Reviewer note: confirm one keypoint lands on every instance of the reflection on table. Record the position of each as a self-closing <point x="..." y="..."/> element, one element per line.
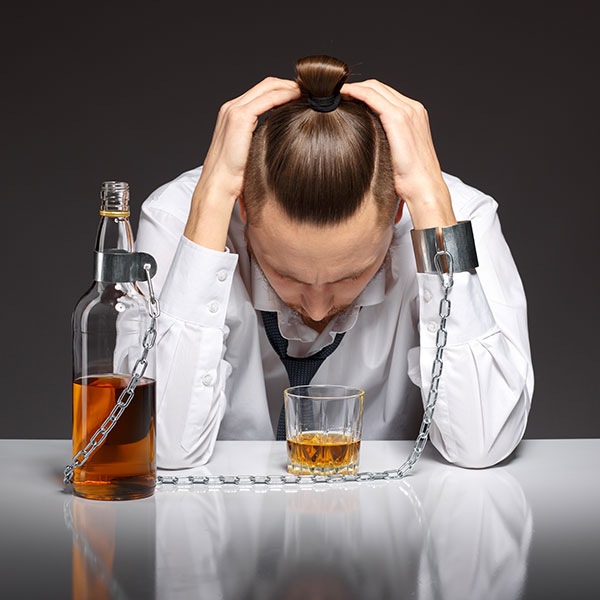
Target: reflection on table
<point x="114" y="548"/>
<point x="458" y="534"/>
<point x="528" y="529"/>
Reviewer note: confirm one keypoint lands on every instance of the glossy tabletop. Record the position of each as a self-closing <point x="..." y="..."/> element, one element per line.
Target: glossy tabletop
<point x="527" y="528"/>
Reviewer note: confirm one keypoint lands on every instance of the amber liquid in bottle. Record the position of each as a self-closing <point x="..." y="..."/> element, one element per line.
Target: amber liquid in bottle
<point x="326" y="453"/>
<point x="124" y="466"/>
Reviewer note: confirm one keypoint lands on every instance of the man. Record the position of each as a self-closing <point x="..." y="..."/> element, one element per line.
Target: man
<point x="221" y="274"/>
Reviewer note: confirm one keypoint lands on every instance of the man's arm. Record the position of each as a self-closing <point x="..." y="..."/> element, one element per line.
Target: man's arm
<point x="191" y="366"/>
<point x="194" y="285"/>
<point x="487" y="381"/>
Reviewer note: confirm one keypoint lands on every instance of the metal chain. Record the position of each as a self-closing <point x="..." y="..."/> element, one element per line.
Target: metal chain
<point x="447" y="280"/>
<point x="127" y="394"/>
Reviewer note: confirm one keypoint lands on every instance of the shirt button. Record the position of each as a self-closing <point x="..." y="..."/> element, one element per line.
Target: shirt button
<point x="432" y="327"/>
<point x="222" y="275"/>
<point x="213" y="307"/>
<point x="426" y="295"/>
<point x="207" y="380"/>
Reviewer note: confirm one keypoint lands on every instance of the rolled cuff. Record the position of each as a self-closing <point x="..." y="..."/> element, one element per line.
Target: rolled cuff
<point x="470" y="314"/>
<point x="198" y="285"/>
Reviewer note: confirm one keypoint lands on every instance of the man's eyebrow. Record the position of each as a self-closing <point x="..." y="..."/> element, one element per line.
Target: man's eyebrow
<point x="354" y="275"/>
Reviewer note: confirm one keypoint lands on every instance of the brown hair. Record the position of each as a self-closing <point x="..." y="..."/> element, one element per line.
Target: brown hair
<point x="319" y="166"/>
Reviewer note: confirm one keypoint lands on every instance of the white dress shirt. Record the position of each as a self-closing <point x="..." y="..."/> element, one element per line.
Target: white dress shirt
<point x="219" y="378"/>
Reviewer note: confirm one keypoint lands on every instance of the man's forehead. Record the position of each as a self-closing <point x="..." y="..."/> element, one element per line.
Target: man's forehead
<point x="297" y="250"/>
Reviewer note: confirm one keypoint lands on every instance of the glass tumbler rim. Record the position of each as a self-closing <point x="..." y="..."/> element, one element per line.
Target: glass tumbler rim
<point x="357" y="391"/>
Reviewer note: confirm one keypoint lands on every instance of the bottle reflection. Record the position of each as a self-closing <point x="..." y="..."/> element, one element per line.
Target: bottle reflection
<point x="456" y="534"/>
<point x="113" y="549"/>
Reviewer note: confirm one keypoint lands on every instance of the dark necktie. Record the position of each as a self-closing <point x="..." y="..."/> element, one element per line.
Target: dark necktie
<point x="300" y="370"/>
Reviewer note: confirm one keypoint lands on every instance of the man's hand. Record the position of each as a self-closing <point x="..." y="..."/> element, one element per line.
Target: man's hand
<point x="417" y="174"/>
<point x="222" y="178"/>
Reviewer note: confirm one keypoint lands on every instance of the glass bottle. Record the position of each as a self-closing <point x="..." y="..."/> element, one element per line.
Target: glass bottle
<point x="108" y="327"/>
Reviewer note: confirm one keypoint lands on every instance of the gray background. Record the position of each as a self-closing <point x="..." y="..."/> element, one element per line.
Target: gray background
<point x="128" y="91"/>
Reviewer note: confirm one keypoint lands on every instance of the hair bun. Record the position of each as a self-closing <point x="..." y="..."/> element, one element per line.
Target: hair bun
<point x="321" y="75"/>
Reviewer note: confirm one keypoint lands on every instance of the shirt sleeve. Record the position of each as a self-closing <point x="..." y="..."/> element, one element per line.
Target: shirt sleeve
<point x="193" y="284"/>
<point x="485" y="389"/>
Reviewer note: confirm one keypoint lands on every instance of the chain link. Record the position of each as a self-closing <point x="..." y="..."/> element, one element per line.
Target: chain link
<point x="127" y="394"/>
<point x="447" y="281"/>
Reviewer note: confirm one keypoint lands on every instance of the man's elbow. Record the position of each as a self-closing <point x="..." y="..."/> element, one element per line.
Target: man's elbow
<point x="175" y="456"/>
<point x="483" y="455"/>
<point x="482" y="459"/>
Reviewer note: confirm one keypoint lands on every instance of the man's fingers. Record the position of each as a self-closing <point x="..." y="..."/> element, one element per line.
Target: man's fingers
<point x="393" y="96"/>
<point x="377" y="99"/>
<point x="376" y="86"/>
<point x="267" y="100"/>
<point x="379" y="84"/>
<point x="398" y="94"/>
<point x="264" y="86"/>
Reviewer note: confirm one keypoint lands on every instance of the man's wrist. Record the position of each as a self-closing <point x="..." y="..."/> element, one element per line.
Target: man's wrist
<point x="431" y="206"/>
<point x="457" y="240"/>
<point x="432" y="215"/>
<point x="208" y="220"/>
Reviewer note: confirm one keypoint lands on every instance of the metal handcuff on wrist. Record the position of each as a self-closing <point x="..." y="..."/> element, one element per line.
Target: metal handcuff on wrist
<point x="432" y="248"/>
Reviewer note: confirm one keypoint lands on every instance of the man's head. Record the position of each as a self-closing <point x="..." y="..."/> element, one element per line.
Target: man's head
<point x="319" y="196"/>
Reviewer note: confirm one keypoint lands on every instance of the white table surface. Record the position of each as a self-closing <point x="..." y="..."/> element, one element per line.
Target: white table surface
<point x="527" y="528"/>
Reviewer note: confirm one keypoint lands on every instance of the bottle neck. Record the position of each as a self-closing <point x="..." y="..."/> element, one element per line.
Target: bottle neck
<point x="114" y="233"/>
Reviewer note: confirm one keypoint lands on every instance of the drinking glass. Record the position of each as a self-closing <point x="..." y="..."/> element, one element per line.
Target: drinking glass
<point x="323" y="428"/>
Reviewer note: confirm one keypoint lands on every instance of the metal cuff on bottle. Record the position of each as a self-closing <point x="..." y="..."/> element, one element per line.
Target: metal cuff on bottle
<point x="455" y="239"/>
<point x="120" y="266"/>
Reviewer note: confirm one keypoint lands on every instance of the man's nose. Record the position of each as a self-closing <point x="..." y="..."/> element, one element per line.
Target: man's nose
<point x="318" y="301"/>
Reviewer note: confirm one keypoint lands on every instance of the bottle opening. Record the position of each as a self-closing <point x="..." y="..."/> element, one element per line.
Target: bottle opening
<point x="114" y="197"/>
